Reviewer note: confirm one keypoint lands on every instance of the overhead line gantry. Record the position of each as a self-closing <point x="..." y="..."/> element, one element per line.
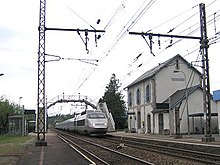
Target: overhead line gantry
<point x="205" y="67"/>
<point x="41" y="99"/>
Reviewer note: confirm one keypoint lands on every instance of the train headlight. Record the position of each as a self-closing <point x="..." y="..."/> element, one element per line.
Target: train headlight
<point x="92" y="124"/>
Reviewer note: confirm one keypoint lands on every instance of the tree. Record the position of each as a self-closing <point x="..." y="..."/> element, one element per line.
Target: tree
<point x="6" y="109"/>
<point x="115" y="103"/>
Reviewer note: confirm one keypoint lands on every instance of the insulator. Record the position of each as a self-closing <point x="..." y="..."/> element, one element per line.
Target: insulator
<point x="99" y="36"/>
<point x="171" y="40"/>
<point x="159" y="42"/>
<point x="98" y="21"/>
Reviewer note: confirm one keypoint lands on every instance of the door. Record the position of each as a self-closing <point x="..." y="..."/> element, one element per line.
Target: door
<point x="161" y="124"/>
<point x="148" y="124"/>
<point x="139" y="119"/>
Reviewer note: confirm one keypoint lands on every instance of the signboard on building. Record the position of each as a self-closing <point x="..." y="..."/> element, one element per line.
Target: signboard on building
<point x="216" y="95"/>
<point x="130" y="113"/>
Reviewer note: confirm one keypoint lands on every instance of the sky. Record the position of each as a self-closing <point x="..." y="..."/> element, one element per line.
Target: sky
<point x="127" y="56"/>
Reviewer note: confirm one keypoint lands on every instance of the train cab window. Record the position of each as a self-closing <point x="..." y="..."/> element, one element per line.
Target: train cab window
<point x="96" y="116"/>
<point x="83" y="112"/>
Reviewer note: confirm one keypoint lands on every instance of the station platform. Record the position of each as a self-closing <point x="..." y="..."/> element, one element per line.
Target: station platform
<point x="194" y="138"/>
<point x="56" y="152"/>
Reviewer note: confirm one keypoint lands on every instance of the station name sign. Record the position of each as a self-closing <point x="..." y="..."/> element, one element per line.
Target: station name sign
<point x="130" y="113"/>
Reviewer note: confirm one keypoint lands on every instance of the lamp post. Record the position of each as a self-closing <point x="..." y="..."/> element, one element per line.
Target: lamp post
<point x="23" y="124"/>
<point x="20" y="102"/>
<point x="186" y="95"/>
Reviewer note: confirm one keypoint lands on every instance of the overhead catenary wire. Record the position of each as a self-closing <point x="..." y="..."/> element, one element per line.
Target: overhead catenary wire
<point x="170" y="19"/>
<point x="194" y="50"/>
<point x="192" y="76"/>
<point x="121" y="6"/>
<point x="190" y="27"/>
<point x="80" y="17"/>
<point x="209" y="22"/>
<point x="87" y="77"/>
<point x="107" y="27"/>
<point x="133" y="20"/>
<point x="118" y="39"/>
<point x="176" y="16"/>
<point x="121" y="34"/>
<point x="173" y="19"/>
<point x="129" y="74"/>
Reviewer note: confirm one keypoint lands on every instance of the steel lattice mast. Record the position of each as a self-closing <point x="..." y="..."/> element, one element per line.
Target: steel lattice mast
<point x="205" y="68"/>
<point x="206" y="82"/>
<point x="41" y="100"/>
<point x="41" y="109"/>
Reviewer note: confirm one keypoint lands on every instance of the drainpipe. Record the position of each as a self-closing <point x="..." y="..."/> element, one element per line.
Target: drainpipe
<point x="153" y="101"/>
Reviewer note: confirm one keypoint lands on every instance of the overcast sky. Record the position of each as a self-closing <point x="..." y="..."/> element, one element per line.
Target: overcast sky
<point x="116" y="50"/>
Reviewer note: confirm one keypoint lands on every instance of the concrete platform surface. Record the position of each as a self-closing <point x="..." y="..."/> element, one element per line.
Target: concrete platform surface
<point x="184" y="138"/>
<point x="57" y="152"/>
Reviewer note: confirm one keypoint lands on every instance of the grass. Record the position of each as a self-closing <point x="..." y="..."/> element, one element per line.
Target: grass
<point x="12" y="144"/>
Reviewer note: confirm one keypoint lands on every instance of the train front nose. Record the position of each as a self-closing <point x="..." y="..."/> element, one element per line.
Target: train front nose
<point x="95" y="124"/>
<point x="100" y="125"/>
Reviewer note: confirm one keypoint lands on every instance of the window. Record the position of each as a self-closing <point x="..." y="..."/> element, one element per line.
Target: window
<point x="129" y="99"/>
<point x="177" y="64"/>
<point x="148" y="93"/>
<point x="138" y="96"/>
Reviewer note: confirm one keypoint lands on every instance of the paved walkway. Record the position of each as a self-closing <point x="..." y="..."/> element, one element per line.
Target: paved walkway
<point x="57" y="152"/>
<point x="185" y="138"/>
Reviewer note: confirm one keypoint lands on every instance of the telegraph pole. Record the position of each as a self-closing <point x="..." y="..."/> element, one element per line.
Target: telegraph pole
<point x="41" y="99"/>
<point x="205" y="67"/>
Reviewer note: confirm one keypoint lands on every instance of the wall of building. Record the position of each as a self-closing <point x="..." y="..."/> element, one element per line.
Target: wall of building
<point x="195" y="106"/>
<point x="216" y="98"/>
<point x="167" y="82"/>
<point x="163" y="85"/>
<point x="144" y="108"/>
<point x="218" y="107"/>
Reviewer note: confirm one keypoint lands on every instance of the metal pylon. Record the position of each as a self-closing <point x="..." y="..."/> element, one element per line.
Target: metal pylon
<point x="206" y="82"/>
<point x="41" y="108"/>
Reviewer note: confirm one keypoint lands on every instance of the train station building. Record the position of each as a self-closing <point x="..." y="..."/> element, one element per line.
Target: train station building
<point x="216" y="97"/>
<point x="22" y="124"/>
<point x="169" y="99"/>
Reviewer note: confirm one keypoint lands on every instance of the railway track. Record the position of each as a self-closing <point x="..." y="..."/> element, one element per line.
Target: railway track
<point x="197" y="156"/>
<point x="100" y="154"/>
<point x="147" y="152"/>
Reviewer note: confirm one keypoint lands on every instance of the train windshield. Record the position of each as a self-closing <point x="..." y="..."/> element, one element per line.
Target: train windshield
<point x="96" y="116"/>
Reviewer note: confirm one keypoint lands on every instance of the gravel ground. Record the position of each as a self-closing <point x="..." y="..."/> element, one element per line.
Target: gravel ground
<point x="156" y="158"/>
<point x="14" y="158"/>
<point x="9" y="160"/>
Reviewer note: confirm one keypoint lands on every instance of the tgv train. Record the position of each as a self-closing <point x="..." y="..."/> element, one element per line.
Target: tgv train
<point x="87" y="122"/>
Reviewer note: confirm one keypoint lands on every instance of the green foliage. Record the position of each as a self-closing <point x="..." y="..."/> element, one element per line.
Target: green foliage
<point x="10" y="144"/>
<point x="52" y="120"/>
<point x="114" y="100"/>
<point x="6" y="109"/>
<point x="13" y="139"/>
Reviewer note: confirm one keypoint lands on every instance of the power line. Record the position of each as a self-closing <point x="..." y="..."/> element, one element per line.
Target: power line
<point x="122" y="33"/>
<point x="121" y="6"/>
<point x="133" y="20"/>
<point x="80" y="17"/>
<point x="217" y="38"/>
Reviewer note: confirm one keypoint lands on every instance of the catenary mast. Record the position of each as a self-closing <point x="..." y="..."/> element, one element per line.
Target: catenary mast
<point x="41" y="99"/>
